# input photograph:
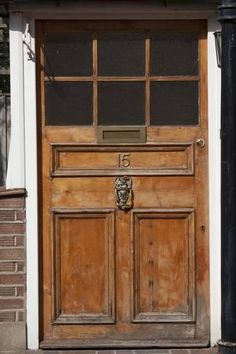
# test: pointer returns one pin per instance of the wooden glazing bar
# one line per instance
(202, 94)
(175, 78)
(70, 78)
(121, 78)
(147, 74)
(95, 84)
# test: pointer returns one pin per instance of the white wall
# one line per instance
(31, 182)
(22, 170)
(214, 107)
(22, 166)
(15, 174)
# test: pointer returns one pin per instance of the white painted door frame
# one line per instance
(22, 170)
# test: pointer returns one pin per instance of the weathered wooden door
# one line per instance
(123, 187)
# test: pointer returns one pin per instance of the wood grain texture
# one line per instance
(123, 279)
(163, 265)
(82, 270)
(120, 78)
(79, 160)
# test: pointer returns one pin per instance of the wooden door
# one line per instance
(122, 114)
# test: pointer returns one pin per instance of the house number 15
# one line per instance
(124, 160)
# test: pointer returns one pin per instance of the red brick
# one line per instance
(141, 351)
(7, 291)
(13, 254)
(20, 215)
(7, 266)
(12, 203)
(7, 215)
(12, 228)
(20, 240)
(12, 279)
(7, 241)
(204, 351)
(20, 267)
(20, 291)
(8, 304)
(8, 316)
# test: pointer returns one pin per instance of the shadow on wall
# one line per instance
(4, 135)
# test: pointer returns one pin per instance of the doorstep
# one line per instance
(128, 351)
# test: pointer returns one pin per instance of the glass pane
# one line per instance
(68, 54)
(69, 103)
(174, 103)
(121, 103)
(174, 54)
(121, 54)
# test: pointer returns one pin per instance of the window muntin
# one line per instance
(134, 77)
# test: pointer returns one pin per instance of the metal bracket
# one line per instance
(27, 41)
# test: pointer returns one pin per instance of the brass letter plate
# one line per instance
(121, 134)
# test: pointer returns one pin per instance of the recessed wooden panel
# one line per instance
(163, 266)
(142, 160)
(84, 274)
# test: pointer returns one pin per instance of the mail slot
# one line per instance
(121, 134)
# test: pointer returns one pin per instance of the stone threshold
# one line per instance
(121, 351)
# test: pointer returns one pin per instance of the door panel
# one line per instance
(110, 277)
(163, 265)
(152, 160)
(75, 258)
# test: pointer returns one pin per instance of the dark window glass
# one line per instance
(174, 54)
(174, 103)
(69, 103)
(121, 103)
(121, 54)
(68, 54)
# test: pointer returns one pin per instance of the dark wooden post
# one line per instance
(227, 13)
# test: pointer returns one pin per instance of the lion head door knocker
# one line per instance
(124, 193)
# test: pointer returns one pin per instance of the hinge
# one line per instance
(27, 41)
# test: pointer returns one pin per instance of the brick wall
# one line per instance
(12, 255)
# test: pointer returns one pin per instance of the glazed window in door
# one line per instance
(119, 273)
(147, 76)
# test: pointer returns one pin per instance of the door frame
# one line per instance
(23, 149)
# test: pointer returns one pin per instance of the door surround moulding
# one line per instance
(29, 168)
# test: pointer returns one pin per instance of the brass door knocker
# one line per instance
(124, 193)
